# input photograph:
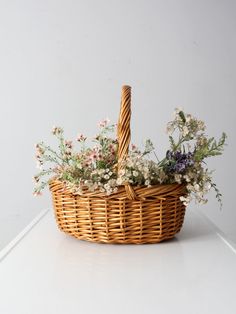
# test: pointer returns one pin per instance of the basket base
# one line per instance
(107, 241)
(131, 238)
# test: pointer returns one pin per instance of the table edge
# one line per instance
(10, 246)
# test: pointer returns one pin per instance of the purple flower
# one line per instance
(180, 167)
(178, 162)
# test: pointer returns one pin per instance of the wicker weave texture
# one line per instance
(132, 215)
(150, 218)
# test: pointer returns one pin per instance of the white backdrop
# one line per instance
(63, 62)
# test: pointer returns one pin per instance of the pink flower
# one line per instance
(87, 162)
(57, 130)
(104, 123)
(57, 169)
(68, 144)
(39, 150)
(68, 153)
(81, 138)
(36, 179)
(93, 154)
(37, 193)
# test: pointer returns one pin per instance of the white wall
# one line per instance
(63, 62)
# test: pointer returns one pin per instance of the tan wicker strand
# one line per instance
(123, 129)
(134, 214)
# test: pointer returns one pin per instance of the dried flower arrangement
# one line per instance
(95, 167)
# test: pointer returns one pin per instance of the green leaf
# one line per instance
(218, 194)
(182, 116)
(149, 147)
(172, 142)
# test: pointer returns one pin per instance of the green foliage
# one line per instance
(218, 194)
(210, 148)
(172, 143)
(149, 147)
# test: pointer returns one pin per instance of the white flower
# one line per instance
(39, 165)
(185, 200)
(190, 187)
(188, 118)
(170, 128)
(112, 182)
(185, 130)
(187, 177)
(135, 173)
(201, 125)
(101, 171)
(119, 181)
(203, 201)
(178, 178)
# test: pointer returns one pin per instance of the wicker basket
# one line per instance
(134, 214)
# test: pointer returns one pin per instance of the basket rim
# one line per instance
(142, 191)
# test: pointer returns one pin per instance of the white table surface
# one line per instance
(49, 272)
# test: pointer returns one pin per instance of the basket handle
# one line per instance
(123, 126)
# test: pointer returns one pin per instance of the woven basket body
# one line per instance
(132, 214)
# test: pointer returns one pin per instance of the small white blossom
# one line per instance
(119, 181)
(178, 178)
(170, 128)
(185, 130)
(185, 200)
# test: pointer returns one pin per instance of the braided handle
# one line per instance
(123, 127)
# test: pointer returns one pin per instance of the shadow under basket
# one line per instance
(134, 214)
